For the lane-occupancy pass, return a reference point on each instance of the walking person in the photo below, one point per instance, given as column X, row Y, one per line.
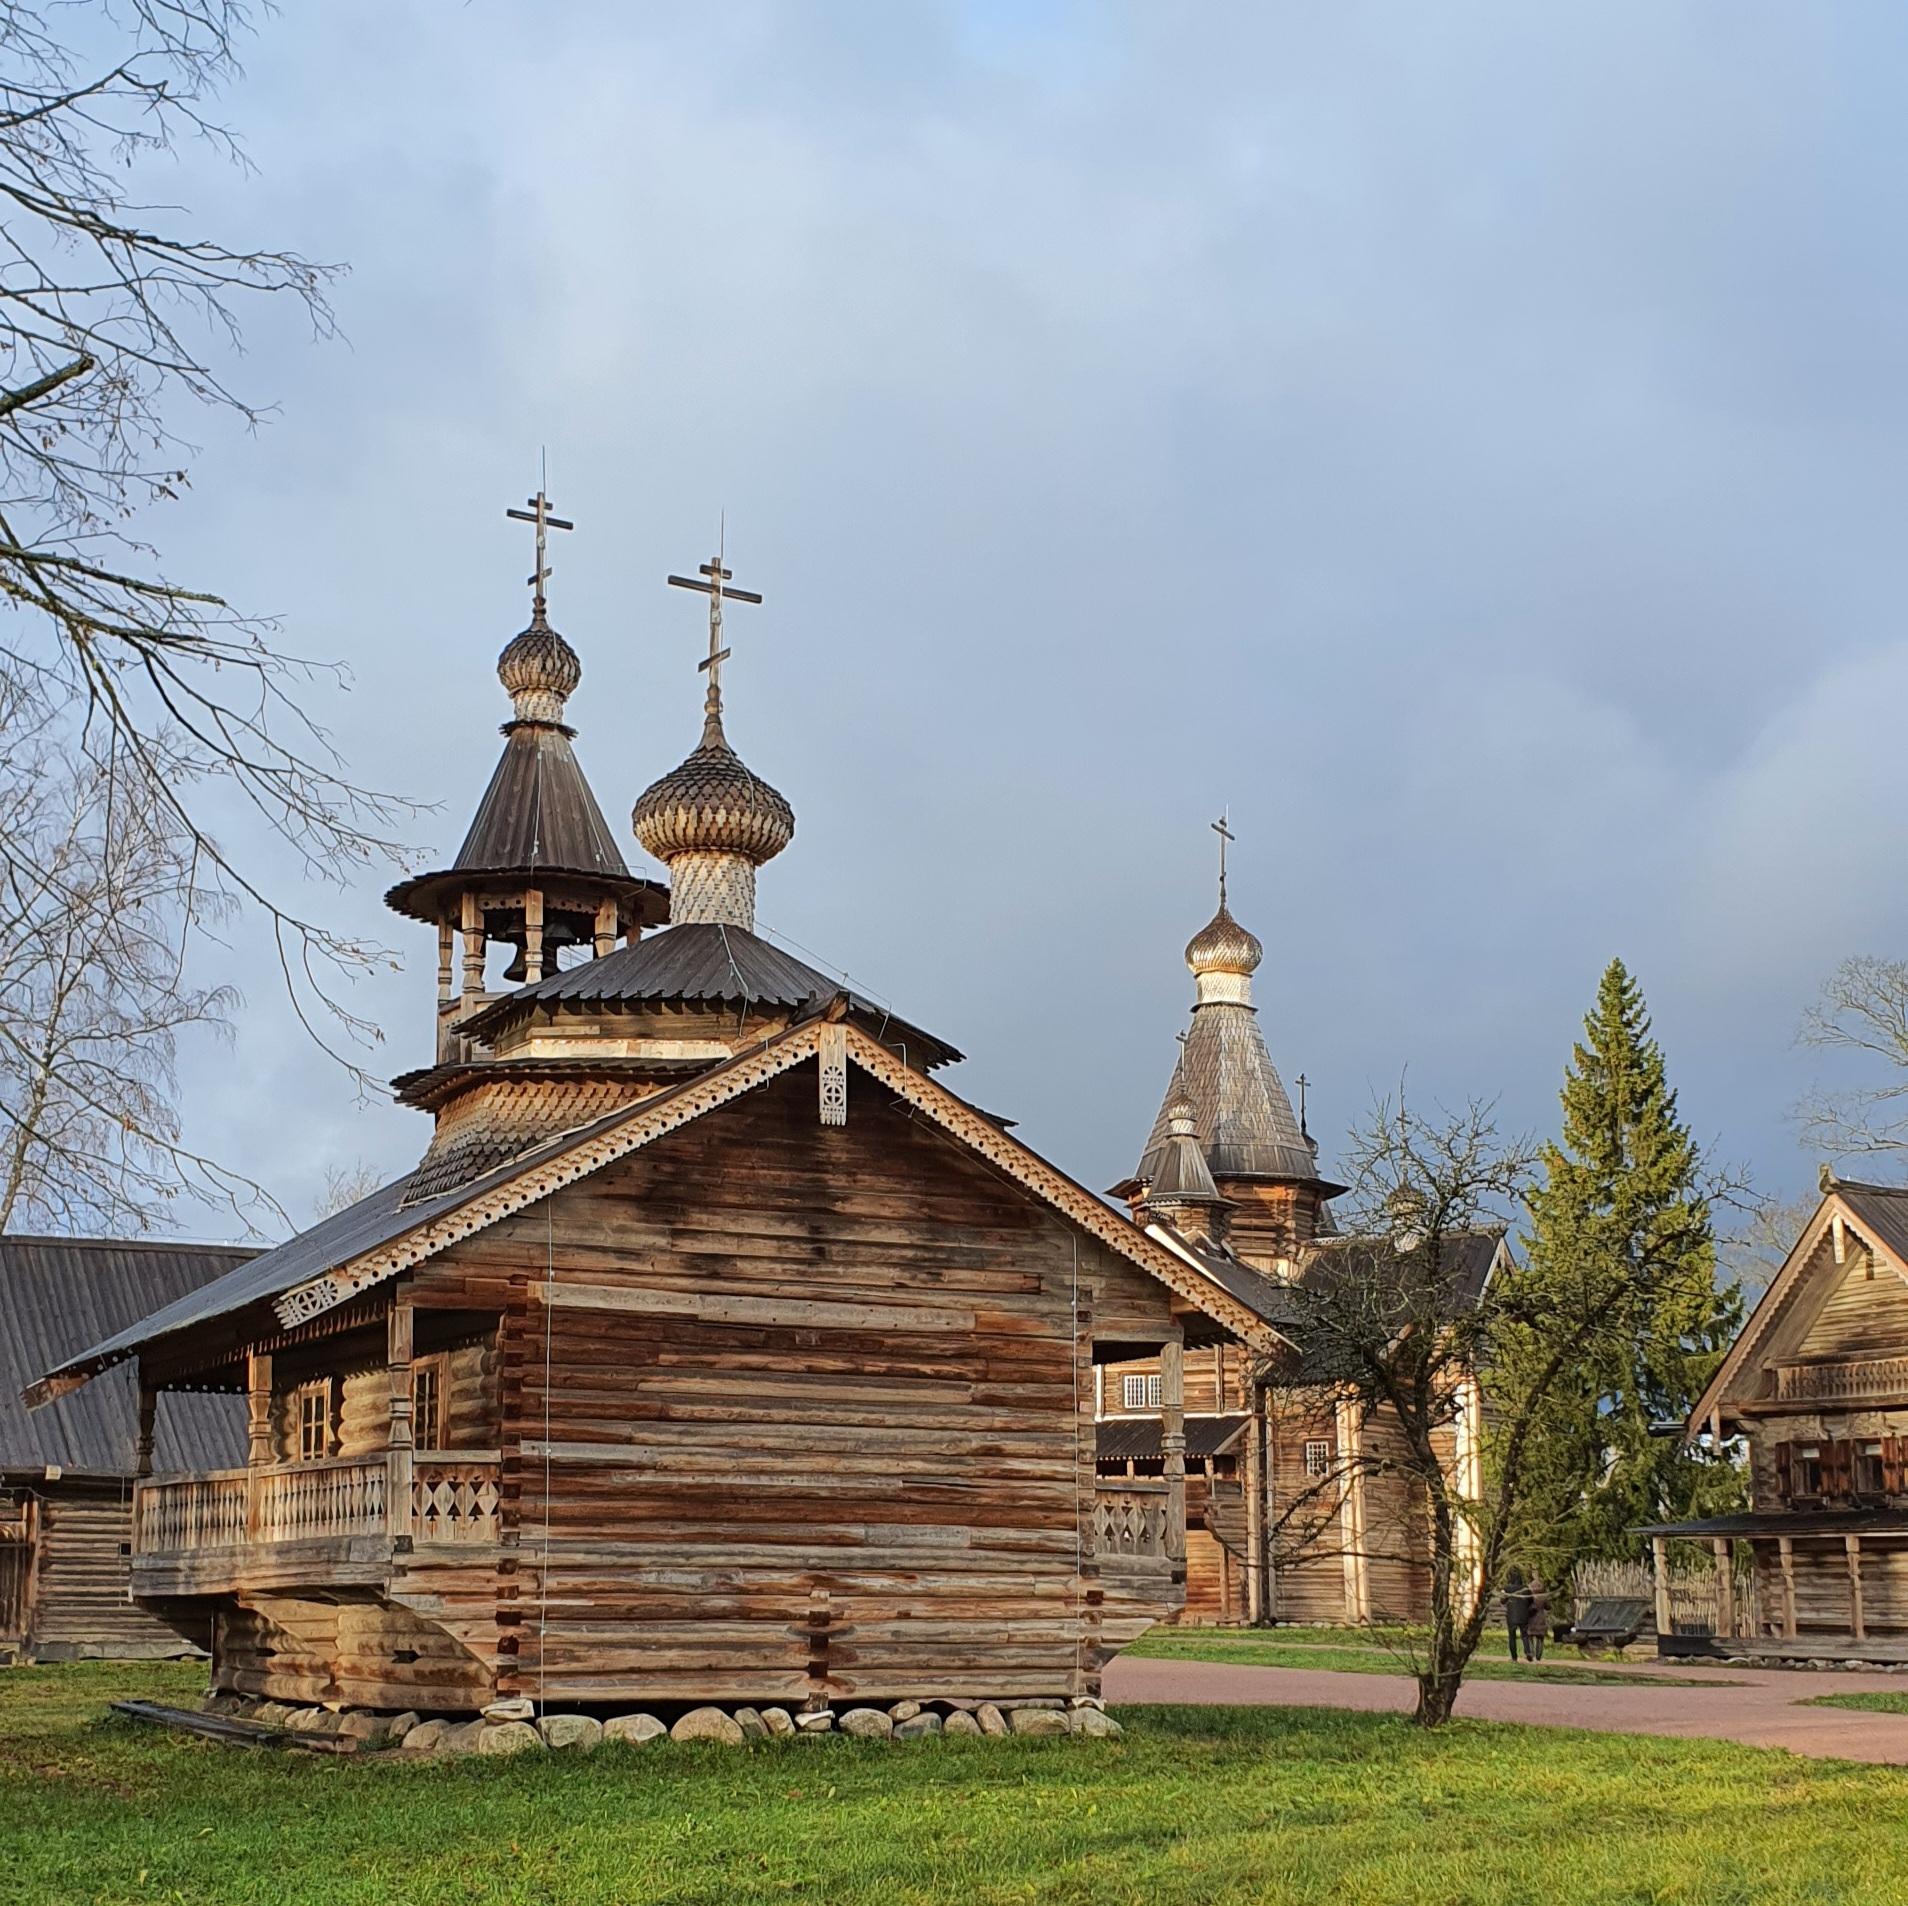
column 1516, row 1608
column 1537, row 1621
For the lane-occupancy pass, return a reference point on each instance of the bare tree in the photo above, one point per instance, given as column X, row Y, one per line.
column 345, row 1185
column 96, row 905
column 114, row 316
column 1862, row 1009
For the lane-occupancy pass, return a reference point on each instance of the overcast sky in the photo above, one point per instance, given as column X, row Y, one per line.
column 1467, row 441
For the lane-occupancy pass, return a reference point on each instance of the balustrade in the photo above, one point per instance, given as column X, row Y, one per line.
column 452, row 1499
column 1841, row 1382
column 1132, row 1518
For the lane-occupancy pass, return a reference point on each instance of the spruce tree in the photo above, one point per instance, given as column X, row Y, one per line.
column 1622, row 1208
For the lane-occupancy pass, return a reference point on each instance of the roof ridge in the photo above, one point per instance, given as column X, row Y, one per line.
column 67, row 1242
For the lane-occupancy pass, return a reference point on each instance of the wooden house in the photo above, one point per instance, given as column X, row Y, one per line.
column 1294, row 1512
column 713, row 1351
column 66, row 1472
column 1817, row 1387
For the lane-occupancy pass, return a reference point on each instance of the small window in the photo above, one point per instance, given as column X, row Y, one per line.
column 314, row 1422
column 1808, row 1469
column 1318, row 1459
column 1868, row 1470
column 427, row 1403
column 1141, row 1393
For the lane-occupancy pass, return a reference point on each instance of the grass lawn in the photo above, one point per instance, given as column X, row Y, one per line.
column 1882, row 1701
column 1352, row 1651
column 1196, row 1805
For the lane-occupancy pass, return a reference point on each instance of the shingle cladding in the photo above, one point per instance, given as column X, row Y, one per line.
column 58, row 1296
column 538, row 812
column 1239, row 1103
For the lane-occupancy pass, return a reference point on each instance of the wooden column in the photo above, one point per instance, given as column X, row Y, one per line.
column 1255, row 1506
column 148, row 1423
column 258, row 1433
column 446, row 961
column 1659, row 1567
column 1269, row 1510
column 1172, row 1443
column 1725, row 1586
column 605, row 928
column 400, row 1458
column 1351, row 1513
column 473, row 930
column 1857, row 1622
column 533, row 936
column 1785, row 1549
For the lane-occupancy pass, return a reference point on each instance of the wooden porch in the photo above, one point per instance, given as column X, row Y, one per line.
column 333, row 1523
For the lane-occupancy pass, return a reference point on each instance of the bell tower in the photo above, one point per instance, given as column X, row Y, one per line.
column 539, row 870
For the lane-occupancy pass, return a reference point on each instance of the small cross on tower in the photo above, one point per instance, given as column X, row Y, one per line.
column 1303, row 1084
column 716, row 588
column 1226, row 835
column 538, row 512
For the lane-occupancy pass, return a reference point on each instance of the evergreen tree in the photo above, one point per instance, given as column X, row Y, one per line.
column 1623, row 1208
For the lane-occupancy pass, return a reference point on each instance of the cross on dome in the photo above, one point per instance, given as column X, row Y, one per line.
column 715, row 587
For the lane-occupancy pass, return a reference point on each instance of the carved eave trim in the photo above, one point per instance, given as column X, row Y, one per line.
column 642, row 1126
column 1832, row 1213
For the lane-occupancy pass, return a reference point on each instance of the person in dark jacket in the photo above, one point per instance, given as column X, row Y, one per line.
column 1516, row 1608
column 1537, row 1621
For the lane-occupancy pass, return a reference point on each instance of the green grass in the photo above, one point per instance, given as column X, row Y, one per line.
column 1214, row 1806
column 1375, row 1651
column 1882, row 1701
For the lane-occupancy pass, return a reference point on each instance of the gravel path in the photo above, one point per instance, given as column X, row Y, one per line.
column 1760, row 1708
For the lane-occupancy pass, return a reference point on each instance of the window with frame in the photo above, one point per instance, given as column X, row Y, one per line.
column 1142, row 1393
column 427, row 1402
column 314, row 1422
column 1869, row 1476
column 1808, row 1469
column 1318, row 1458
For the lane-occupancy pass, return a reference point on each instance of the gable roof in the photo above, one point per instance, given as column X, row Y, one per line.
column 380, row 1237
column 57, row 1295
column 705, row 963
column 1876, row 1213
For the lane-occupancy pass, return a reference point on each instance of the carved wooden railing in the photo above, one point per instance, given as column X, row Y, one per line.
column 1841, row 1382
column 174, row 1515
column 1130, row 1518
column 296, row 1502
column 454, row 1500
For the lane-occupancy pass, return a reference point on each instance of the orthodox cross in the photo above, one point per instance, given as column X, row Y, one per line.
column 1225, row 834
column 717, row 590
column 1302, row 1082
column 538, row 512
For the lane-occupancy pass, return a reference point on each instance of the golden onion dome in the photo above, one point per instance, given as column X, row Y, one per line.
column 540, row 671
column 1222, row 945
column 713, row 804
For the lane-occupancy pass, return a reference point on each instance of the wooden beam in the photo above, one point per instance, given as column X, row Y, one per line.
column 605, row 928
column 1785, row 1549
column 1659, row 1568
column 533, row 936
column 1172, row 1443
column 1725, row 1586
column 1857, row 1621
column 473, row 930
column 258, row 1433
column 400, row 1456
column 148, row 1423
column 1351, row 1513
column 1255, row 1506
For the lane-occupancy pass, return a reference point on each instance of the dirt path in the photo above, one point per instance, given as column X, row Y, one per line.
column 1761, row 1707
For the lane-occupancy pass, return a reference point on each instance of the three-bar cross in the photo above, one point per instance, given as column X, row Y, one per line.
column 538, row 512
column 716, row 588
column 1225, row 834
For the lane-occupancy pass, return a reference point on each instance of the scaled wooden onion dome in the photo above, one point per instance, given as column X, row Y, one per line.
column 1222, row 945
column 713, row 804
column 539, row 671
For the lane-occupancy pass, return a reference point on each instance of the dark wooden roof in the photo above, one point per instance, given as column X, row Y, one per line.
column 59, row 1295
column 1788, row 1522
column 707, row 964
column 1136, row 1439
column 1882, row 1210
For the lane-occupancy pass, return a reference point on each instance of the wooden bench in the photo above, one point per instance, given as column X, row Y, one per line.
column 1609, row 1621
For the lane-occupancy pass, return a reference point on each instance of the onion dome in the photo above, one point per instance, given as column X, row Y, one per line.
column 540, row 671
column 713, row 822
column 1222, row 945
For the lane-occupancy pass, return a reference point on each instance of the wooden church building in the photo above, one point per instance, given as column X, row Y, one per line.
column 1817, row 1387
column 1295, row 1511
column 714, row 1348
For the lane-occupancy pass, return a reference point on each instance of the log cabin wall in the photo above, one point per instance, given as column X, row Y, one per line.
column 72, row 1596
column 359, row 1393
column 817, row 1419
